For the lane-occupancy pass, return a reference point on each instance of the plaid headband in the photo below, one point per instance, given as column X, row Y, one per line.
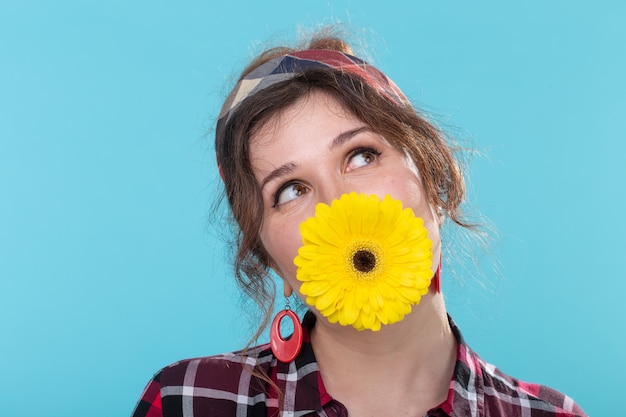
column 288, row 66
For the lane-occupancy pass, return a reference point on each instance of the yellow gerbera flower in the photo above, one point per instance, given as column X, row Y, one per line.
column 364, row 261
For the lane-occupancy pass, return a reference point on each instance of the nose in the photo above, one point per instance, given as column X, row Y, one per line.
column 333, row 187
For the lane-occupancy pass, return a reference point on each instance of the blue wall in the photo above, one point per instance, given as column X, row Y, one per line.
column 109, row 268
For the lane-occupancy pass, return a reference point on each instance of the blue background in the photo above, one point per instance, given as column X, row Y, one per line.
column 109, row 269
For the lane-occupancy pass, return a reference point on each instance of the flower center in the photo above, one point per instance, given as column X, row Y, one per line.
column 364, row 260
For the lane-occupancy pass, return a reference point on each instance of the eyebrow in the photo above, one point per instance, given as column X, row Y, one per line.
column 291, row 166
column 346, row 136
column 279, row 172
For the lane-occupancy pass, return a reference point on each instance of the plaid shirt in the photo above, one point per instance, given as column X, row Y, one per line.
column 221, row 386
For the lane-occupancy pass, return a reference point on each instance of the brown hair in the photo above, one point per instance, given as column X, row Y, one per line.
column 403, row 126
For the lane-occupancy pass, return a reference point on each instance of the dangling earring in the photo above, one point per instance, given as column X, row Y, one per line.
column 436, row 281
column 286, row 350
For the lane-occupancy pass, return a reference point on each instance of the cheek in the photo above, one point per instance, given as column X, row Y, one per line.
column 433, row 225
column 282, row 247
column 281, row 243
column 413, row 195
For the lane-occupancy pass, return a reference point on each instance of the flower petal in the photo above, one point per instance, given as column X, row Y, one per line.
column 364, row 299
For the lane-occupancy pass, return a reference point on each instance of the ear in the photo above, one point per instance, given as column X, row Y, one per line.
column 440, row 215
column 287, row 290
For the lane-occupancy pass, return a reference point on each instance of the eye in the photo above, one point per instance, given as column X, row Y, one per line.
column 362, row 156
column 287, row 192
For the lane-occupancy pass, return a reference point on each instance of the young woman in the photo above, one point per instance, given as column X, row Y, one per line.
column 340, row 187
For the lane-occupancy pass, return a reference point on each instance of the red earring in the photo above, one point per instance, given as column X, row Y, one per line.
column 286, row 350
column 436, row 281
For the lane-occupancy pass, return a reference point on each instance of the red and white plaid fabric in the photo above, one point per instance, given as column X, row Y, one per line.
column 219, row 386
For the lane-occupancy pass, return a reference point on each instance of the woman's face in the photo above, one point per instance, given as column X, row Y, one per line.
column 314, row 152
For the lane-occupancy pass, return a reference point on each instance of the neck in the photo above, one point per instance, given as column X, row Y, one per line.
column 412, row 360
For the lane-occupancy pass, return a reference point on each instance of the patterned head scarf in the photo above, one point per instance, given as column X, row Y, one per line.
column 290, row 65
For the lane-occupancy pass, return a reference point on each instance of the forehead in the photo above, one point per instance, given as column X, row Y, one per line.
column 299, row 136
column 317, row 113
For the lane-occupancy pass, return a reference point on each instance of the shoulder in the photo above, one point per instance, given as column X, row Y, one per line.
column 215, row 371
column 506, row 395
column 479, row 388
column 221, row 383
